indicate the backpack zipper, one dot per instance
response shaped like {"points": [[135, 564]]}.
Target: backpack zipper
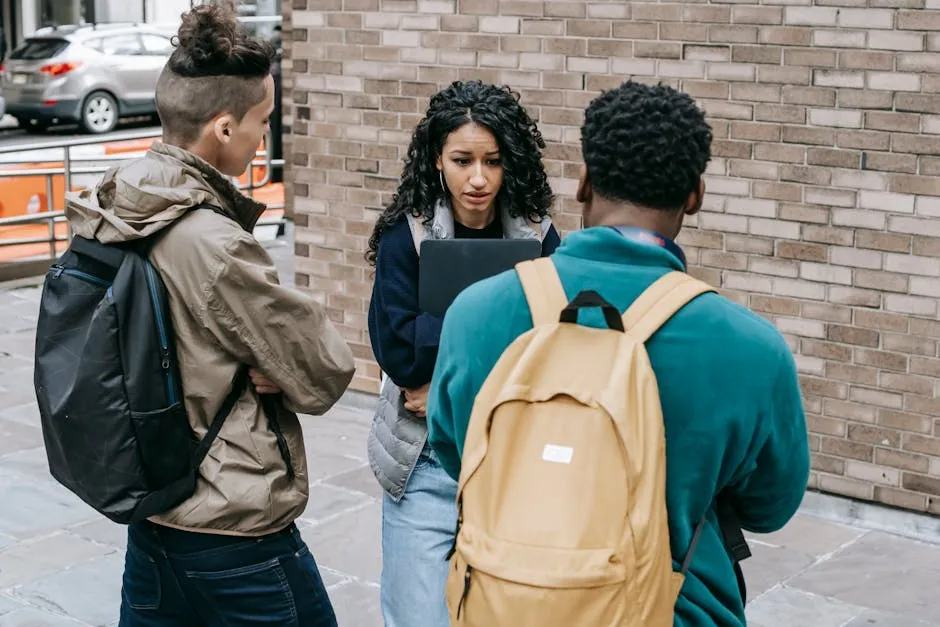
{"points": [[60, 270], [161, 329], [466, 589]]}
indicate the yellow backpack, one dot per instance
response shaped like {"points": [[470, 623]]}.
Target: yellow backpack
{"points": [[562, 493]]}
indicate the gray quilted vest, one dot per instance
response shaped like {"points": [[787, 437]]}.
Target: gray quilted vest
{"points": [[396, 440]]}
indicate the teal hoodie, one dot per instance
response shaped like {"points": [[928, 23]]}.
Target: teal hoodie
{"points": [[728, 383]]}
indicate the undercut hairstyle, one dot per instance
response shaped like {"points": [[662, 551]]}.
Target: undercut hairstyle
{"points": [[645, 144], [525, 190], [216, 68]]}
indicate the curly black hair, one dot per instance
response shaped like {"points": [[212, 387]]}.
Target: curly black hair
{"points": [[645, 144], [525, 190]]}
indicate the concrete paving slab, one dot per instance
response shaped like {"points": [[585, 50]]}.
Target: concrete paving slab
{"points": [[31, 464], [28, 561], [789, 607], [335, 443], [17, 387], [328, 502], [102, 531], [33, 508], [9, 360], [26, 414], [20, 345], [16, 436], [342, 431], [350, 543], [331, 578], [881, 619], [869, 573], [769, 565], [357, 605], [14, 322], [780, 556], [31, 617], [322, 466], [20, 317], [811, 536], [7, 605], [85, 592], [360, 480], [29, 291]]}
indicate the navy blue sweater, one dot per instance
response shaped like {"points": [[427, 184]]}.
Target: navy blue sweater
{"points": [[404, 339]]}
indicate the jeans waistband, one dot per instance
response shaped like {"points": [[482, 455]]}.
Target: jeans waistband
{"points": [[180, 541]]}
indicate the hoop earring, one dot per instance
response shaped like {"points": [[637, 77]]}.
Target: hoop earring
{"points": [[443, 187]]}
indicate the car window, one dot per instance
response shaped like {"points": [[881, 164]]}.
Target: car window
{"points": [[36, 49], [156, 45], [120, 44]]}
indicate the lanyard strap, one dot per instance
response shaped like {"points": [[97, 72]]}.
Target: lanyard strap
{"points": [[651, 238]]}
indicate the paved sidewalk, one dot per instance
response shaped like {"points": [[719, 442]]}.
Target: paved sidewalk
{"points": [[60, 563]]}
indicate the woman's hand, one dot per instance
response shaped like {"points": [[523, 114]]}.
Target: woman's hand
{"points": [[416, 400], [263, 385]]}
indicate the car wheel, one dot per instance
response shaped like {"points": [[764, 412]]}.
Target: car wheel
{"points": [[99, 113]]}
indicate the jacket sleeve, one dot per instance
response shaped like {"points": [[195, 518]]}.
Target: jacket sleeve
{"points": [[457, 379], [281, 331], [771, 493], [404, 339]]}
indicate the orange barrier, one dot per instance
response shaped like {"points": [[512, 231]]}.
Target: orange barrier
{"points": [[27, 195], [128, 145], [28, 231], [16, 193]]}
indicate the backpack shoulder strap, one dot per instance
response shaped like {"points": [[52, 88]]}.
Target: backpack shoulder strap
{"points": [[239, 383], [543, 290], [660, 301]]}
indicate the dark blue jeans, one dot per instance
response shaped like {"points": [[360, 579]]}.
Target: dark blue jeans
{"points": [[178, 578]]}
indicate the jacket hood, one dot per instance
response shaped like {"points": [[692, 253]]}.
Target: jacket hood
{"points": [[144, 196]]}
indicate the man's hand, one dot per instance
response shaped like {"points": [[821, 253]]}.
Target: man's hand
{"points": [[263, 385], [416, 400]]}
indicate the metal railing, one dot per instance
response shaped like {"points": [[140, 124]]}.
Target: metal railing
{"points": [[54, 215]]}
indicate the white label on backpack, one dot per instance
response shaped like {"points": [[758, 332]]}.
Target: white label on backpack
{"points": [[557, 454]]}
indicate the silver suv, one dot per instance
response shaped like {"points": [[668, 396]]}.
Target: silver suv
{"points": [[92, 75]]}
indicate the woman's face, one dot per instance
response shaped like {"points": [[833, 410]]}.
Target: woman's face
{"points": [[473, 173]]}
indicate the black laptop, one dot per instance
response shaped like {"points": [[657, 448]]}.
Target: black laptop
{"points": [[448, 266]]}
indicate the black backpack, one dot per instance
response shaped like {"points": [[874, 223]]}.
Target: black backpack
{"points": [[108, 384]]}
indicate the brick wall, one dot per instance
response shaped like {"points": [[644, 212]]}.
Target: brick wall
{"points": [[823, 204]]}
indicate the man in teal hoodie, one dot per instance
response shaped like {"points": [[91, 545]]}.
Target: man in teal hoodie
{"points": [[728, 384]]}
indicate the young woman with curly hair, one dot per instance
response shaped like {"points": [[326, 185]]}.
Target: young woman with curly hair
{"points": [[473, 169]]}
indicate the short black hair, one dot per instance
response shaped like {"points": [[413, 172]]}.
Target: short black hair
{"points": [[525, 191], [216, 68], [645, 144]]}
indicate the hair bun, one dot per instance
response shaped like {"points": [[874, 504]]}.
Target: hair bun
{"points": [[208, 35]]}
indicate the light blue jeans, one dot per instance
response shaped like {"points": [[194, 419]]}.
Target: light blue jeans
{"points": [[417, 534]]}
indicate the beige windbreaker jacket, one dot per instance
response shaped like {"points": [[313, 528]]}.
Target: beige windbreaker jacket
{"points": [[227, 309]]}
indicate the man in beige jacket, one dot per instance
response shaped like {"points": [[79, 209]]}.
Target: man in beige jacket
{"points": [[231, 553]]}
